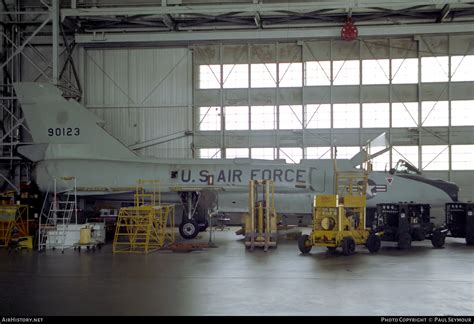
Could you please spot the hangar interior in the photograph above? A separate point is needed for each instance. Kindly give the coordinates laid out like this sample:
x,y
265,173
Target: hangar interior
x,y
271,80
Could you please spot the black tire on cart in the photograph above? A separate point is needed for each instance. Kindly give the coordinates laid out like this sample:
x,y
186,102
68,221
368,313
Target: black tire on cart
x,y
438,238
348,246
373,243
303,244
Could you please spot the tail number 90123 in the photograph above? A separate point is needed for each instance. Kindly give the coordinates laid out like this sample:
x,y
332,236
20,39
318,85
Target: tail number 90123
x,y
63,131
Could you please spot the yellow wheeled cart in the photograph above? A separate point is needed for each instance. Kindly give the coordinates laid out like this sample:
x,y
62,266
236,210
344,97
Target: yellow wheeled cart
x,y
339,221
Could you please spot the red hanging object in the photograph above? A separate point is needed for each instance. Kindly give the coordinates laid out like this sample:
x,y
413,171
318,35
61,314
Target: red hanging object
x,y
349,31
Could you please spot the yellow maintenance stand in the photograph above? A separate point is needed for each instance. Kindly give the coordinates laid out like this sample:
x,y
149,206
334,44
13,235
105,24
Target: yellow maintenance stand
x,y
261,220
146,227
339,219
13,220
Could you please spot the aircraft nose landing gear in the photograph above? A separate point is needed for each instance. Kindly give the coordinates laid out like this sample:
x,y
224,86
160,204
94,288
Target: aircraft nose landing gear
x,y
191,223
188,228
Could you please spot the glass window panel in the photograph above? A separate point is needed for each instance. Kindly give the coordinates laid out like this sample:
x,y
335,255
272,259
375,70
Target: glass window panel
x,y
434,113
435,157
375,71
434,69
291,154
317,73
232,153
263,75
462,113
407,153
236,117
346,152
405,114
265,153
291,117
236,76
318,116
462,157
462,68
320,152
405,70
209,118
346,116
209,76
290,74
381,162
263,117
210,153
375,115
346,72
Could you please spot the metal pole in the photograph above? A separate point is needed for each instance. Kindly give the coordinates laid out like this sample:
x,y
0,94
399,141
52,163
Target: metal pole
x,y
55,18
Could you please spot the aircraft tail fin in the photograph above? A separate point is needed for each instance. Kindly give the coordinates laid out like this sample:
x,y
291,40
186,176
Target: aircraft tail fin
x,y
66,126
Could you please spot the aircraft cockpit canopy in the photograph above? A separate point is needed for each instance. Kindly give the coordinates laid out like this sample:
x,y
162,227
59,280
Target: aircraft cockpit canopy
x,y
405,167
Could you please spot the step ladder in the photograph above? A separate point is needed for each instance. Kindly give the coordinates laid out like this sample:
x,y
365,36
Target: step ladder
x,y
63,208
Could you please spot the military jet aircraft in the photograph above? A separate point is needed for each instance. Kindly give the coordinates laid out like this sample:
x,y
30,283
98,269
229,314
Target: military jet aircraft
x,y
70,141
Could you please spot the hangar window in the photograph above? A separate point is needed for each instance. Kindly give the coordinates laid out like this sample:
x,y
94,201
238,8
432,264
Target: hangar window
x,y
462,113
375,115
346,72
236,76
346,152
462,157
434,69
209,76
291,74
320,152
434,113
318,116
265,153
346,116
263,117
407,153
209,118
375,71
405,70
210,153
232,153
462,68
405,114
317,73
435,157
291,117
263,75
291,154
236,117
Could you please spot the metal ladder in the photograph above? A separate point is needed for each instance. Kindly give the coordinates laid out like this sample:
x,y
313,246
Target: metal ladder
x,y
52,233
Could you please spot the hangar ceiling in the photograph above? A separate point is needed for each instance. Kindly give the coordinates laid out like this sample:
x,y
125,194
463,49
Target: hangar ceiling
x,y
174,15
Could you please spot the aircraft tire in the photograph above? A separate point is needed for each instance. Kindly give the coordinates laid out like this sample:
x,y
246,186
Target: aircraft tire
x,y
189,229
348,246
438,238
304,248
373,243
404,241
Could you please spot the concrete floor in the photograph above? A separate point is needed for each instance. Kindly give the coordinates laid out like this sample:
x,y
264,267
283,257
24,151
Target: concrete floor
x,y
230,281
